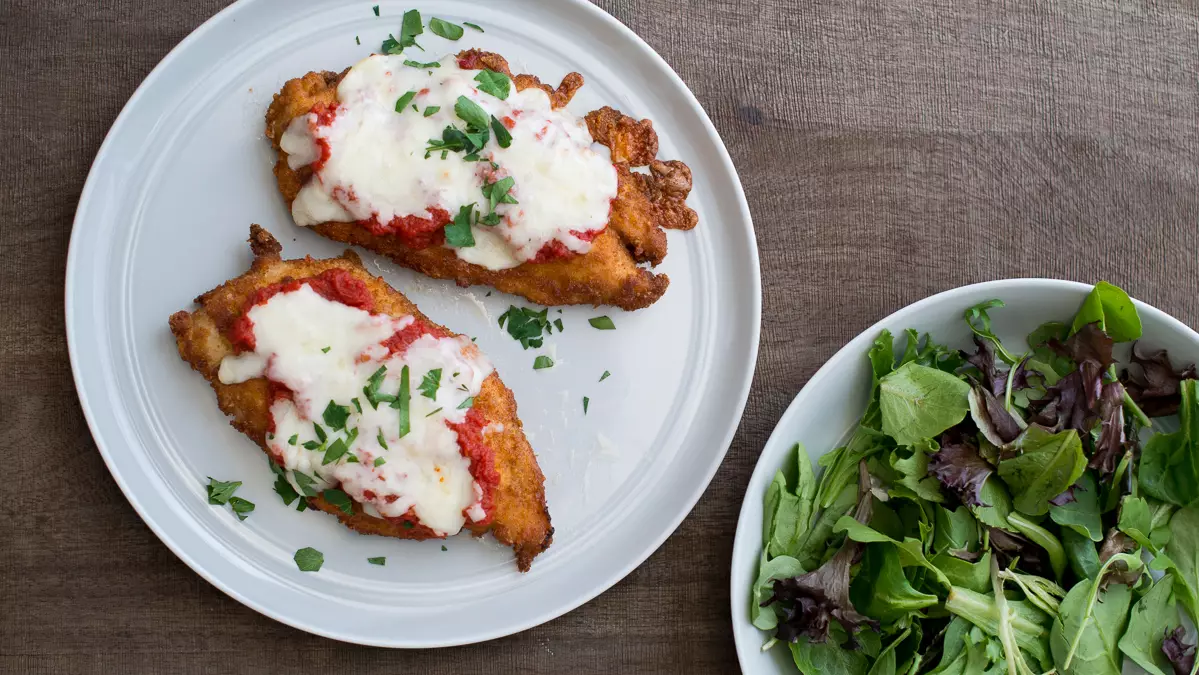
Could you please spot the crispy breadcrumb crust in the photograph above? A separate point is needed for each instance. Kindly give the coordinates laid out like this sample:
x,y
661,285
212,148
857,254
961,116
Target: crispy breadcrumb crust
x,y
607,275
521,519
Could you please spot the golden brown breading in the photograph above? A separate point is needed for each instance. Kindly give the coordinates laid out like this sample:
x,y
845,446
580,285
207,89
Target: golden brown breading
x,y
521,519
607,275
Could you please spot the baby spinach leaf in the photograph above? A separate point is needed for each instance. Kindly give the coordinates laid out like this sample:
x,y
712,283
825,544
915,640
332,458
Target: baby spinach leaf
x,y
818,658
997,425
1047,464
1169,468
1153,617
997,504
769,571
1080,554
1112,309
975,576
885,664
1089,625
1081,513
814,544
1136,520
1182,554
881,589
918,402
955,530
909,551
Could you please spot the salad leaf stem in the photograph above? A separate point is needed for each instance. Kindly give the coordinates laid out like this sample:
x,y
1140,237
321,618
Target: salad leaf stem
x,y
1043,538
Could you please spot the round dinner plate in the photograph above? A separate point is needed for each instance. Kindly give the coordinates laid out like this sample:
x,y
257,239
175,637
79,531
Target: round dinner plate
x,y
165,215
829,406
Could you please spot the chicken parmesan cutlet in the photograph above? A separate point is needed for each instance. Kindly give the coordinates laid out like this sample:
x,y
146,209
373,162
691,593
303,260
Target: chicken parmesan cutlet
x,y
368,409
461,170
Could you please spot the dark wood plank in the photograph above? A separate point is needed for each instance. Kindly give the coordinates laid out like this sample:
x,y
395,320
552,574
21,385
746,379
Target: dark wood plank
x,y
888,151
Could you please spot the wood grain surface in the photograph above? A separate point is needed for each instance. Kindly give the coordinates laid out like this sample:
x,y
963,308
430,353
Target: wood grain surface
x,y
889,150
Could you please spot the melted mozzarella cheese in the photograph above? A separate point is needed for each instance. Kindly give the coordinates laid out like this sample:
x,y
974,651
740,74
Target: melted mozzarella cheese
x,y
325,351
376,165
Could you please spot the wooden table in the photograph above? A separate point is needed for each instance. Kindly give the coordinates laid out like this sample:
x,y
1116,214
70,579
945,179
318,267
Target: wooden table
x,y
889,150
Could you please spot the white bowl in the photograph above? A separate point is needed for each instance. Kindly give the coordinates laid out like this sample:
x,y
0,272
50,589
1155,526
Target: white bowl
x,y
831,403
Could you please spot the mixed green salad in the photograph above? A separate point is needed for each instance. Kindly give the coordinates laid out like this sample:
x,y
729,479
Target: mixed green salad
x,y
996,511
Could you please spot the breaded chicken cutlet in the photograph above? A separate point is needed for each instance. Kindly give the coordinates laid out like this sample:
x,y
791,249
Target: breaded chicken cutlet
x,y
547,244
429,444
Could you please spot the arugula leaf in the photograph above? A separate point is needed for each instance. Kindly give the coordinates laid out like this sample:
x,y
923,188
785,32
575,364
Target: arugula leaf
x,y
429,385
309,559
980,322
445,29
1081,511
381,560
1153,617
241,507
1155,386
458,233
1112,309
496,84
602,323
961,469
402,402
542,362
1169,468
1047,465
918,402
339,499
219,492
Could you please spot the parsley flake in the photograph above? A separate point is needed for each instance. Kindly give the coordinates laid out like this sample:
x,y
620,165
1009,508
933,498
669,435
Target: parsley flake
x,y
380,461
305,483
357,404
309,559
458,233
418,64
334,452
381,560
339,499
408,525
241,507
605,376
357,41
602,323
376,10
444,548
468,402
501,133
470,112
558,324
430,383
325,350
285,490
434,412
382,442
431,110
586,402
293,439
219,491
472,25
403,101
445,29
335,416
320,432
402,401
526,325
542,362
496,84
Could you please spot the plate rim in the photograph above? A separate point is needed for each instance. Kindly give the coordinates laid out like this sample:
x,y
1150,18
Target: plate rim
x,y
74,252
857,346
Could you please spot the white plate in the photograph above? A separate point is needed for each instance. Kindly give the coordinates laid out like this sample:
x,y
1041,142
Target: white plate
x,y
832,402
165,215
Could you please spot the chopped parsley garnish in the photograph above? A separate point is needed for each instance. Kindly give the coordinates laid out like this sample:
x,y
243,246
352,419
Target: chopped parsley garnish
x,y
496,84
586,402
542,362
418,64
382,444
381,560
602,323
275,468
431,110
357,41
458,233
472,25
470,112
320,432
408,525
403,101
605,376
357,404
220,491
339,499
526,325
443,548
501,133
302,505
447,30
292,440
558,324
497,193
311,445
305,483
401,402
334,452
353,459
430,383
410,27
325,350
309,559
376,10
434,412
454,139
241,507
380,461
335,416
285,490
466,403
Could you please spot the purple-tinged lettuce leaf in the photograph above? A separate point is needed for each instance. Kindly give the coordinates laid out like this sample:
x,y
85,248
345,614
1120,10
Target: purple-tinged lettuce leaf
x,y
1155,387
960,469
1090,343
1030,557
1111,444
998,425
983,359
1180,653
